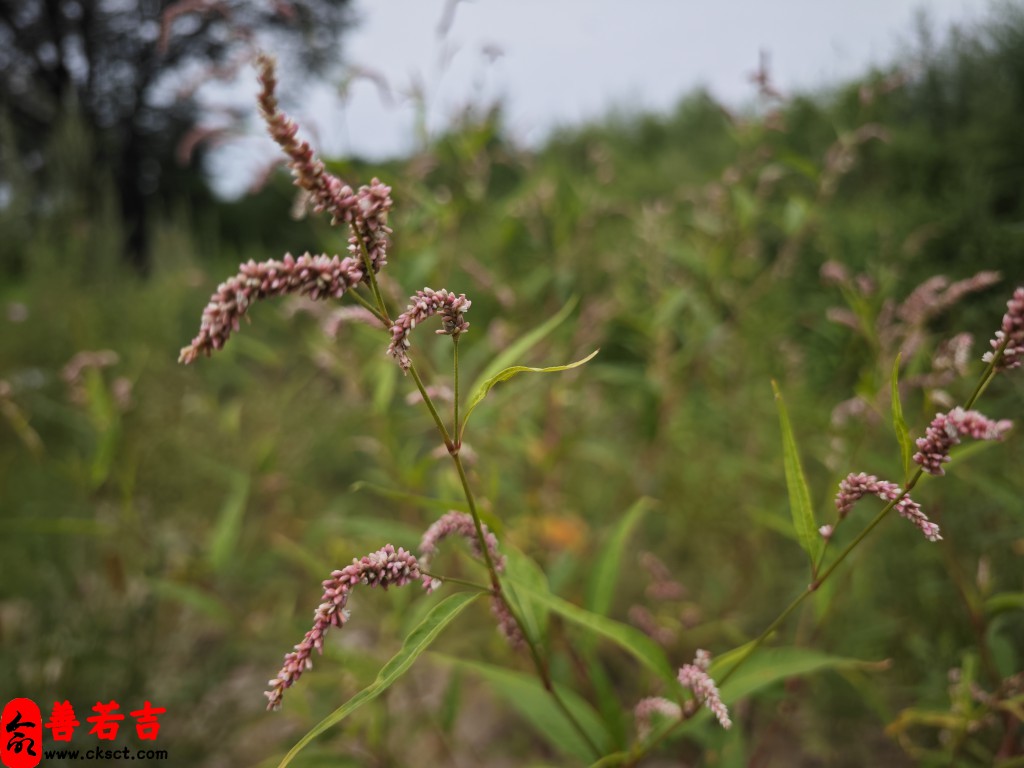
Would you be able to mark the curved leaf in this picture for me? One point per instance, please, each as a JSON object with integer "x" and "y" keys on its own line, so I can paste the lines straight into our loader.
{"x": 440, "y": 616}
{"x": 523, "y": 344}
{"x": 507, "y": 374}
{"x": 799, "y": 493}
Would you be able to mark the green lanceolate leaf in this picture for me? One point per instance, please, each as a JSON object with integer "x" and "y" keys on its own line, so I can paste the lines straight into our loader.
{"x": 523, "y": 344}
{"x": 771, "y": 665}
{"x": 527, "y": 696}
{"x": 796, "y": 483}
{"x": 630, "y": 639}
{"x": 606, "y": 573}
{"x": 899, "y": 424}
{"x": 507, "y": 374}
{"x": 417, "y": 641}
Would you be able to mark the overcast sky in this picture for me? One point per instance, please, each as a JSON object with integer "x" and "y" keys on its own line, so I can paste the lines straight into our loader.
{"x": 562, "y": 62}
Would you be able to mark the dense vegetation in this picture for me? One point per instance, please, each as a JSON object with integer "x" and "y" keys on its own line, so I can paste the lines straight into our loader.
{"x": 165, "y": 530}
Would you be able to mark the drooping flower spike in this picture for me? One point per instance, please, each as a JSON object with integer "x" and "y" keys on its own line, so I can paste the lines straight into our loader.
{"x": 946, "y": 430}
{"x": 695, "y": 677}
{"x": 384, "y": 568}
{"x": 855, "y": 486}
{"x": 462, "y": 525}
{"x": 318, "y": 277}
{"x": 365, "y": 210}
{"x": 456, "y": 524}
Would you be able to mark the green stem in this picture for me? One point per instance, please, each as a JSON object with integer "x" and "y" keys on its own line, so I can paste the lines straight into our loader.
{"x": 496, "y": 588}
{"x": 373, "y": 279}
{"x": 369, "y": 308}
{"x": 988, "y": 375}
{"x": 433, "y": 410}
{"x": 455, "y": 424}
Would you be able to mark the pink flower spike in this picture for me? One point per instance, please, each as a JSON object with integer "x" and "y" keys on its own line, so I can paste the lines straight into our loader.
{"x": 1012, "y": 329}
{"x": 855, "y": 486}
{"x": 946, "y": 430}
{"x": 384, "y": 568}
{"x": 826, "y": 532}
{"x": 365, "y": 211}
{"x": 695, "y": 677}
{"x": 422, "y": 305}
{"x": 318, "y": 277}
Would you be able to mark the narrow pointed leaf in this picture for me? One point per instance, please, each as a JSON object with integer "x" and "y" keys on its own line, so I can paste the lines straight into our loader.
{"x": 525, "y": 693}
{"x": 440, "y": 616}
{"x": 767, "y": 666}
{"x": 609, "y": 561}
{"x": 899, "y": 424}
{"x": 628, "y": 638}
{"x": 796, "y": 483}
{"x": 523, "y": 344}
{"x": 507, "y": 374}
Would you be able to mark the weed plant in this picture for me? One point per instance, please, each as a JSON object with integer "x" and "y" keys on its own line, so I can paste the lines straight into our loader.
{"x": 522, "y": 601}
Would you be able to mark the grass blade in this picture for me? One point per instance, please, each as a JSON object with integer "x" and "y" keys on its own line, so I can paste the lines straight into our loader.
{"x": 796, "y": 483}
{"x": 899, "y": 424}
{"x": 416, "y": 642}
{"x": 606, "y": 572}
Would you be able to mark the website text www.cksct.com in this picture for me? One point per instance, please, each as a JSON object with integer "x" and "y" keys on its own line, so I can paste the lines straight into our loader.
{"x": 104, "y": 753}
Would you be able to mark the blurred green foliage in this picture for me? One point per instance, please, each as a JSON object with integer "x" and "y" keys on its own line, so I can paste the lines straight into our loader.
{"x": 165, "y": 529}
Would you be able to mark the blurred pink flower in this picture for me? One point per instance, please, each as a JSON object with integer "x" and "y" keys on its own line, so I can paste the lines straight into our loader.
{"x": 695, "y": 677}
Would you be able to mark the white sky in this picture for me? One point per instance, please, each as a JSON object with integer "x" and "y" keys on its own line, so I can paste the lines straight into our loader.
{"x": 562, "y": 62}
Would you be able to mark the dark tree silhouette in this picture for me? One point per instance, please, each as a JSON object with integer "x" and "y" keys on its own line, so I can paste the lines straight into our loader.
{"x": 128, "y": 68}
